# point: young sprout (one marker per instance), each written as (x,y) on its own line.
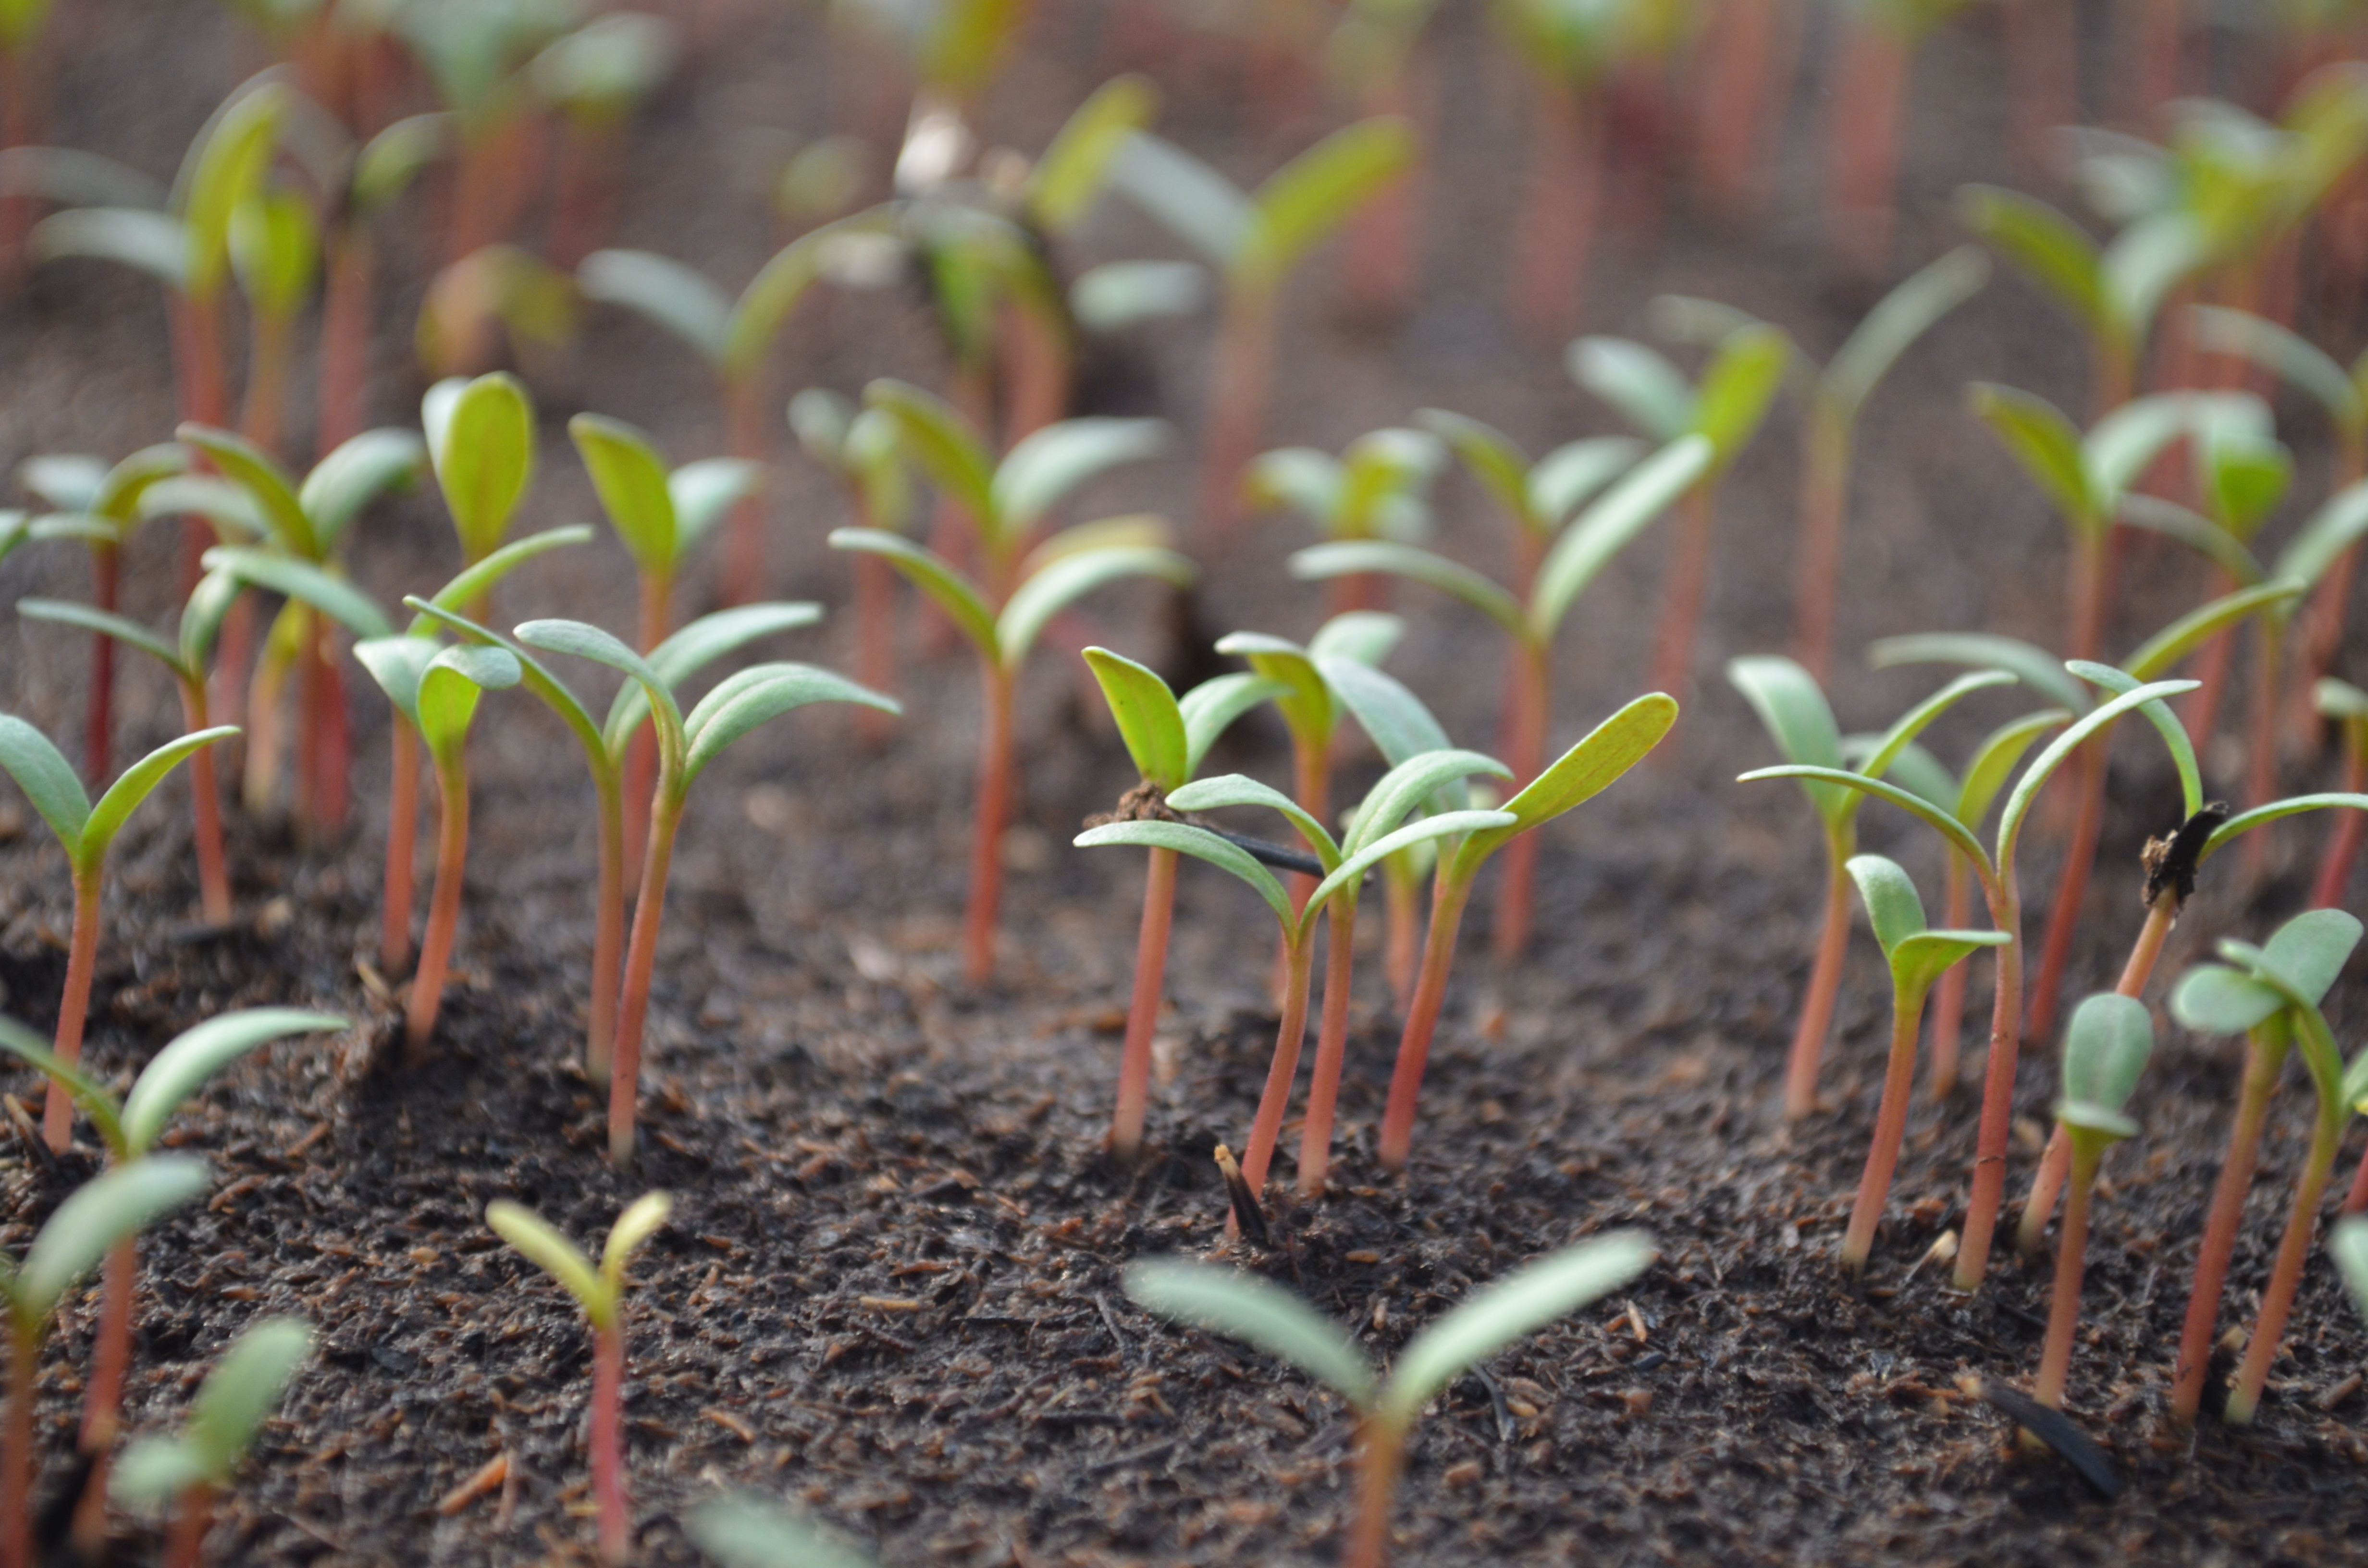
(1799,720)
(1377,836)
(1168,739)
(2002,890)
(187,1470)
(1725,408)
(1574,558)
(741,1532)
(86,832)
(437,691)
(481,444)
(2105,1050)
(1021,590)
(1254,240)
(1917,958)
(275,253)
(858,448)
(2348,706)
(2270,995)
(1242,1306)
(1378,488)
(85,1229)
(597,76)
(371,177)
(685,745)
(186,656)
(1571,51)
(99,505)
(735,338)
(605,746)
(1873,69)
(476,55)
(130,1129)
(1376,61)
(601,1293)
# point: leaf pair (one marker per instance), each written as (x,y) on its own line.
(223,1419)
(309,521)
(481,444)
(2105,1050)
(659,514)
(1378,486)
(1917,956)
(2113,290)
(2284,979)
(436,687)
(599,1290)
(1167,736)
(1725,407)
(84,830)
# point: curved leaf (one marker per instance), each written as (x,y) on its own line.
(704,490)
(1202,844)
(782,282)
(544,1246)
(396,663)
(1917,720)
(1609,525)
(2338,524)
(1365,635)
(391,160)
(1737,386)
(242,1390)
(2045,246)
(637,1224)
(1038,474)
(473,583)
(1240,1305)
(933,575)
(1120,294)
(225,167)
(631,479)
(1567,477)
(1401,728)
(274,250)
(2339,700)
(1994,760)
(151,243)
(1904,314)
(2046,444)
(1407,786)
(116,495)
(2124,443)
(2105,1050)
(481,437)
(1235,789)
(2169,521)
(677,298)
(1493,457)
(1069,579)
(1892,908)
(532,675)
(2164,649)
(352,476)
(755,695)
(2261,816)
(1148,718)
(2166,723)
(943,445)
(1648,391)
(259,473)
(1209,709)
(1195,203)
(2026,788)
(1796,716)
(1343,558)
(1063,185)
(2284,354)
(226,505)
(119,1202)
(450,685)
(583,642)
(2145,261)
(136,782)
(1422,830)
(304,582)
(1299,204)
(88,1095)
(1580,774)
(2033,666)
(130,633)
(1941,821)
(182,1067)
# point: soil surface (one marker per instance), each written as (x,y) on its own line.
(891,1288)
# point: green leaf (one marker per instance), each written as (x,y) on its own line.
(2348,1243)
(1063,582)
(1609,525)
(87,1093)
(275,249)
(1518,1305)
(1994,760)
(1067,180)
(1209,709)
(691,650)
(1904,314)
(1365,635)
(781,283)
(303,582)
(130,633)
(2284,354)
(120,1202)
(2046,444)
(226,505)
(225,167)
(1737,386)
(116,495)
(2170,520)
(154,1471)
(355,474)
(2105,1050)
(2245,822)
(1917,720)
(2245,480)
(1423,830)
(1493,457)
(182,1067)
(1407,786)
(146,241)
(242,1390)
(1580,774)
(2166,723)
(1345,557)
(1797,718)
(2309,950)
(1235,789)
(1568,476)
(1121,294)
(1242,1306)
(2045,246)
(1648,391)
(1148,718)
(1045,466)
(944,447)
(2214,999)
(2339,699)
(1299,204)
(2145,261)
(69,482)
(481,437)
(2026,788)
(475,582)
(1394,717)
(1892,907)
(1202,844)
(2164,649)
(1913,768)
(136,782)
(2124,443)
(638,1223)
(259,473)
(450,687)
(1941,821)
(705,492)
(762,692)
(631,479)
(391,160)
(1300,478)
(739,1532)
(1926,957)
(2341,522)
(2033,666)
(1196,203)
(552,1252)
(1689,318)
(933,575)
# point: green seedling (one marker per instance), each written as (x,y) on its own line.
(2348,706)
(1168,739)
(1571,51)
(2001,890)
(1872,68)
(735,338)
(85,1229)
(1577,776)
(1725,408)
(2105,1050)
(437,691)
(1254,240)
(685,745)
(86,832)
(275,254)
(131,1128)
(189,1470)
(858,449)
(481,446)
(99,505)
(1916,956)
(186,656)
(1378,488)
(600,1292)
(2269,994)
(1799,722)
(1243,1306)
(1572,561)
(596,77)
(741,1532)
(1020,590)
(605,747)
(1835,395)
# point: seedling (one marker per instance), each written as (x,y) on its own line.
(605,747)
(1168,739)
(1377,488)
(476,53)
(85,1229)
(1725,408)
(2105,1050)
(2002,890)
(371,179)
(685,745)
(481,444)
(86,832)
(1532,618)
(1570,50)
(741,1532)
(2271,995)
(735,338)
(2348,706)
(275,253)
(1836,395)
(1254,240)
(130,1129)
(187,1470)
(601,1293)
(858,449)
(1917,958)
(99,505)
(187,657)
(1243,1306)
(2348,1243)
(1872,68)
(1020,591)
(596,77)
(1376,836)
(1799,720)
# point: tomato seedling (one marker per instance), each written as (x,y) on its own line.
(189,1470)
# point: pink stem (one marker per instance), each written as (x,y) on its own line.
(1890,1123)
(2071,1255)
(2343,844)
(1142,1014)
(1331,1047)
(616,1528)
(608,935)
(443,904)
(986,834)
(1682,602)
(1824,982)
(1948,1000)
(1289,1033)
(2285,1275)
(205,805)
(1515,894)
(641,959)
(73,1008)
(1998,1088)
(1422,1017)
(402,836)
(98,725)
(2262,1062)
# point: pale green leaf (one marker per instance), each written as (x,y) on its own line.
(2339,699)
(1063,582)
(692,649)
(1568,477)
(1199,205)
(1121,294)
(1922,959)
(1609,525)
(242,1390)
(1994,760)
(135,784)
(1892,907)
(304,582)
(1904,314)
(1200,844)
(130,633)
(2033,666)
(195,1055)
(1580,774)
(2045,246)
(1149,719)
(533,676)
(1067,180)
(1737,387)
(1394,717)
(1438,829)
(2124,443)
(1303,202)
(151,243)
(352,476)
(1365,635)
(2166,723)
(1410,784)
(391,160)
(87,1094)
(1235,789)
(1797,718)
(2348,1244)
(2026,789)
(1943,822)
(154,1471)
(69,482)
(1345,557)
(943,445)
(2105,1051)
(481,435)
(259,473)
(2144,264)
(274,250)
(2339,523)
(475,583)
(755,695)
(705,492)
(1209,709)
(630,477)
(933,575)
(225,166)
(450,685)
(742,1533)
(2046,444)
(552,1252)
(2284,354)
(2261,816)
(583,642)
(1650,392)
(638,1223)
(1917,720)
(2167,519)
(1038,474)
(121,1202)
(782,284)
(228,507)
(1493,457)
(2162,652)
(1240,1305)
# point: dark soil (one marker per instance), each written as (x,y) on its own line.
(891,1288)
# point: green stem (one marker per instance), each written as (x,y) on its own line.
(2071,1250)
(641,959)
(2264,1058)
(443,903)
(2285,1277)
(1890,1124)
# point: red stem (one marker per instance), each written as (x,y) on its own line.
(2343,844)
(346,339)
(2204,706)
(1291,1030)
(193,1520)
(1331,1046)
(642,751)
(1556,223)
(1377,1483)
(1869,101)
(1890,1124)
(1404,911)
(2071,887)
(1997,1087)
(746,429)
(402,834)
(308,733)
(98,724)
(2071,1255)
(1949,999)
(267,380)
(443,903)
(615,1528)
(82,959)
(1673,642)
(1824,982)
(1527,756)
(1422,1017)
(2043,65)
(608,934)
(2285,1277)
(1747,83)
(2261,747)
(1825,488)
(2263,1061)
(1383,251)
(1143,1013)
(1241,384)
(205,803)
(633,1002)
(102,1399)
(986,834)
